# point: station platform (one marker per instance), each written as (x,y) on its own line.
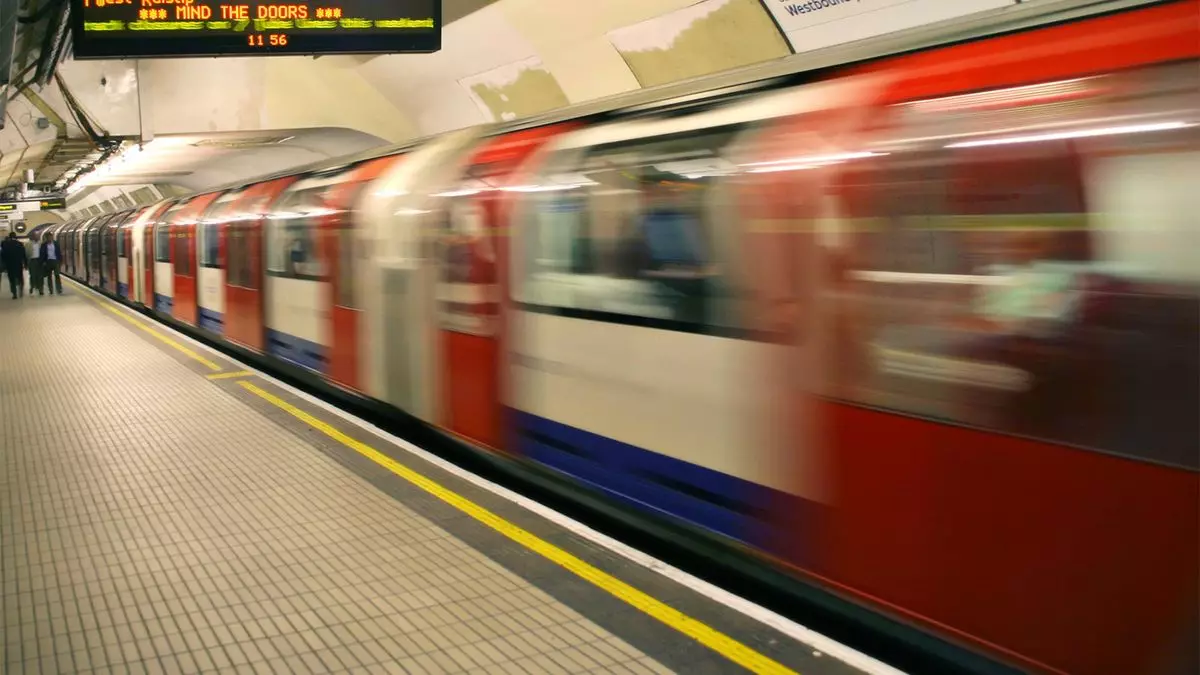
(165,510)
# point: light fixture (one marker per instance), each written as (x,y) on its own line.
(80,179)
(1012,97)
(1076,133)
(815,160)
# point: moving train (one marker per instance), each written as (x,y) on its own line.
(923,330)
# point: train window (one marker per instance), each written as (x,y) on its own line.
(208,243)
(347,269)
(93,252)
(103,235)
(349,253)
(162,243)
(219,214)
(627,231)
(148,248)
(467,279)
(121,252)
(237,256)
(292,233)
(1044,284)
(183,257)
(163,236)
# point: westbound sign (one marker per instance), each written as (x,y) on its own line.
(814,24)
(105,29)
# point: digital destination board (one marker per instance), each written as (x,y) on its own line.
(106,29)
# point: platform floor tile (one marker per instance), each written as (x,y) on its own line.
(149,524)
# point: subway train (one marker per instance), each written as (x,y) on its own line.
(923,330)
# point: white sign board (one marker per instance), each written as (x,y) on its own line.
(813,24)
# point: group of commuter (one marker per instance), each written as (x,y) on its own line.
(40,258)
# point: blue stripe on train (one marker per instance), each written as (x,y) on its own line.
(713,500)
(122,290)
(212,321)
(163,303)
(297,350)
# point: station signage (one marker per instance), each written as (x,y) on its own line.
(47,204)
(106,29)
(814,24)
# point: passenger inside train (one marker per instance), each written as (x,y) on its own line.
(1031,292)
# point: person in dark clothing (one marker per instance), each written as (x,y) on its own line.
(12,254)
(51,258)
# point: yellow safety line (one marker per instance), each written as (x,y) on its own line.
(166,340)
(226,376)
(702,633)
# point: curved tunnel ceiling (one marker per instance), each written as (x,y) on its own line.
(501,59)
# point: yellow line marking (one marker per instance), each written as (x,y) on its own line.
(702,633)
(165,340)
(226,376)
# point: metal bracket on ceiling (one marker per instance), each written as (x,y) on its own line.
(8,46)
(145,120)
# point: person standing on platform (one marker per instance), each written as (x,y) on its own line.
(12,254)
(51,258)
(32,251)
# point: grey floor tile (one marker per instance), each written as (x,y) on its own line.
(151,521)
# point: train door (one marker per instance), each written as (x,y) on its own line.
(63,236)
(125,276)
(76,252)
(104,252)
(83,250)
(338,241)
(183,257)
(93,267)
(72,245)
(95,258)
(211,273)
(141,254)
(299,292)
(163,281)
(628,297)
(116,249)
(108,252)
(472,251)
(242,237)
(398,344)
(787,250)
(149,261)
